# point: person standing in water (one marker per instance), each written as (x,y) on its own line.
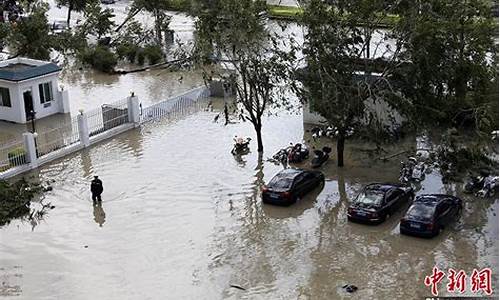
(226,114)
(96,189)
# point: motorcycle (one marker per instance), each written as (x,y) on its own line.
(241,146)
(281,156)
(298,153)
(320,157)
(412,171)
(489,188)
(474,183)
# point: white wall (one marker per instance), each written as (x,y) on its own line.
(13,113)
(16,113)
(380,109)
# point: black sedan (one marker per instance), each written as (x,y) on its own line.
(429,214)
(377,201)
(289,185)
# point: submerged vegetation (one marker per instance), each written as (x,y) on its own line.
(434,64)
(16,199)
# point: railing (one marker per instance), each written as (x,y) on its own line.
(176,106)
(107,116)
(12,155)
(33,150)
(54,139)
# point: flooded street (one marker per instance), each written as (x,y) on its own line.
(181,218)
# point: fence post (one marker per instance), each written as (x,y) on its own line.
(83,129)
(30,148)
(133,110)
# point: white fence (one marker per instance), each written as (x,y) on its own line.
(178,105)
(12,155)
(92,127)
(54,139)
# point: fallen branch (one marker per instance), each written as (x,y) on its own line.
(166,64)
(386,158)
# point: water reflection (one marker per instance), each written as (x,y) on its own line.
(99,214)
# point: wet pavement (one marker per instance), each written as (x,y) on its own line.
(181,218)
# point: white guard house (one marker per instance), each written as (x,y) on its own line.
(29,87)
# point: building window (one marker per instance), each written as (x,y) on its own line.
(5,97)
(45,90)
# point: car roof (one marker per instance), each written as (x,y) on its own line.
(433,198)
(289,173)
(384,187)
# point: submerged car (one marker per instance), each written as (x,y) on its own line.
(429,214)
(377,201)
(289,185)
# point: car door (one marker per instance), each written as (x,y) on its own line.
(309,181)
(389,201)
(444,211)
(298,184)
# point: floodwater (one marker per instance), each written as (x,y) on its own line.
(181,218)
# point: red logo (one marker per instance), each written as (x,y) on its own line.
(434,280)
(457,281)
(481,280)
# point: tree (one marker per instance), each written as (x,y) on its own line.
(74,5)
(236,35)
(98,21)
(158,8)
(30,37)
(453,77)
(337,81)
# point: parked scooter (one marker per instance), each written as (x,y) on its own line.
(490,187)
(320,157)
(281,156)
(475,183)
(298,153)
(241,145)
(412,171)
(483,185)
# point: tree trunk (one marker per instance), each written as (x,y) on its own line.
(258,131)
(340,150)
(70,8)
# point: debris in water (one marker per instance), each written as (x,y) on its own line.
(350,288)
(85,246)
(237,287)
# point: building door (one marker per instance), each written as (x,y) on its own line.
(28,104)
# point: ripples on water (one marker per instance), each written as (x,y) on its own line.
(182,219)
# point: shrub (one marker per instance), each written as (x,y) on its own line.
(153,53)
(100,58)
(128,51)
(140,57)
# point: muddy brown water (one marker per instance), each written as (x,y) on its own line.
(181,218)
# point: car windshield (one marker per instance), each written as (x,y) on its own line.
(422,211)
(370,198)
(281,182)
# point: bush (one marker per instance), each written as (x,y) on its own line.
(100,58)
(141,57)
(17,157)
(127,51)
(153,53)
(179,5)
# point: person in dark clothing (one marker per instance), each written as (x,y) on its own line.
(226,114)
(96,188)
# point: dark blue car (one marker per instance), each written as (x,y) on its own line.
(429,214)
(289,185)
(377,201)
